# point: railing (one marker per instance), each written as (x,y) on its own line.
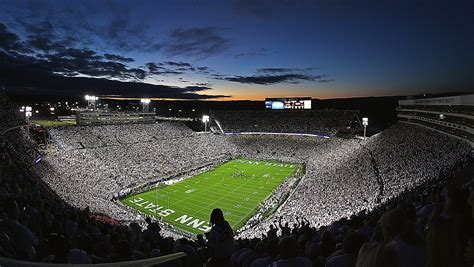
(177,259)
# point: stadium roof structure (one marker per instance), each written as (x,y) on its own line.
(457,100)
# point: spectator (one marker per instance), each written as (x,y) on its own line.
(289,254)
(220,239)
(375,255)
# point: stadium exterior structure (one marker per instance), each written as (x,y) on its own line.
(452,115)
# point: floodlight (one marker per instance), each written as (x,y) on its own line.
(51,109)
(28,109)
(87,97)
(145,104)
(365,122)
(205,119)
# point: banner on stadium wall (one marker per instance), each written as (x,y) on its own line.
(464,100)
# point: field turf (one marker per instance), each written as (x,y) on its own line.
(237,187)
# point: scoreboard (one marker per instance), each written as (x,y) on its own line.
(288,103)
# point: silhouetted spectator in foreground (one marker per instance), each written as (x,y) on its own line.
(220,240)
(352,243)
(448,230)
(399,235)
(288,248)
(375,254)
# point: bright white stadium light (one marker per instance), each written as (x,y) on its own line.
(365,122)
(51,109)
(87,97)
(205,119)
(145,104)
(28,112)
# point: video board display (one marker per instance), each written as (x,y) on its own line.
(288,103)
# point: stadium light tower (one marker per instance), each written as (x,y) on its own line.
(28,112)
(365,122)
(205,119)
(145,104)
(91,101)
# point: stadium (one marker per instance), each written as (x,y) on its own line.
(238,133)
(261,168)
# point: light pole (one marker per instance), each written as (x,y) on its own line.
(205,119)
(145,104)
(28,113)
(91,101)
(365,122)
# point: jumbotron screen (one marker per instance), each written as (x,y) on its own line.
(288,103)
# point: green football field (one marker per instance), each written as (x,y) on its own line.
(237,187)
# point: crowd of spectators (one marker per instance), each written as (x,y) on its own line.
(431,225)
(336,216)
(327,122)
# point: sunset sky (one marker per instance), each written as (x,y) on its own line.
(236,49)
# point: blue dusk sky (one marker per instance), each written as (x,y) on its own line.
(229,50)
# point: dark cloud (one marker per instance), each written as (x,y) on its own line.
(176,64)
(326,80)
(272,79)
(203,69)
(253,53)
(171,67)
(106,23)
(41,83)
(10,41)
(113,57)
(56,71)
(72,62)
(158,69)
(203,84)
(266,76)
(195,42)
(283,70)
(197,88)
(42,35)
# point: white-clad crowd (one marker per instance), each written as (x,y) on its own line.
(342,176)
(322,122)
